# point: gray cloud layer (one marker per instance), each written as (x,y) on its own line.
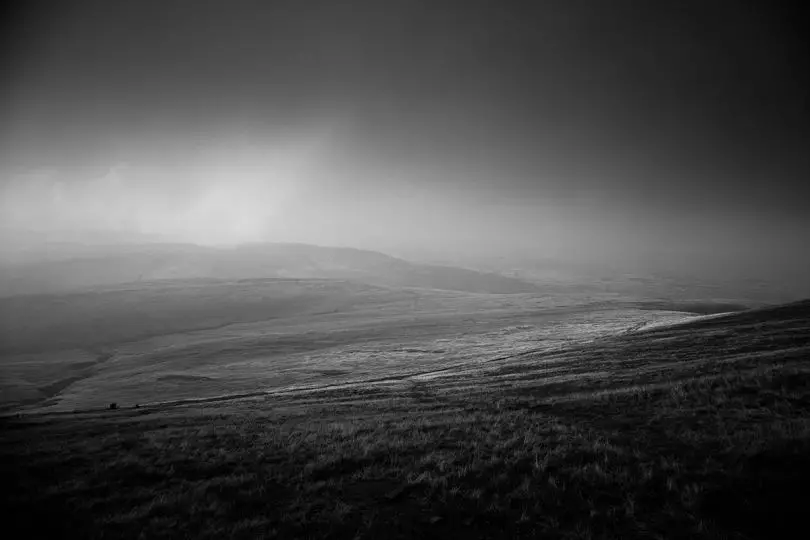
(619,130)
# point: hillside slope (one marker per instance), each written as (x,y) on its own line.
(110,265)
(700,430)
(173,339)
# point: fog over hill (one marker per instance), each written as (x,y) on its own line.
(404,269)
(77,266)
(32,262)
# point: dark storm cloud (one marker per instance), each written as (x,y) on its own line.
(648,122)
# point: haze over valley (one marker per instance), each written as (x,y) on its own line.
(404,269)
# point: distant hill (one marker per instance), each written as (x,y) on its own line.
(79,267)
(746,287)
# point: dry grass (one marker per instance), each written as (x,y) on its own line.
(700,430)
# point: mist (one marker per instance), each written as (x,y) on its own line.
(404,268)
(298,188)
(305,188)
(569,131)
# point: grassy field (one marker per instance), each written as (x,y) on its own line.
(699,429)
(173,340)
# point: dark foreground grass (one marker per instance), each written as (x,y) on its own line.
(700,431)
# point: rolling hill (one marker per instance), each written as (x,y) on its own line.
(694,428)
(73,267)
(133,341)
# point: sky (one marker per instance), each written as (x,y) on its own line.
(667,132)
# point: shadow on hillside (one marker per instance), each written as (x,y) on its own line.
(758,495)
(769,499)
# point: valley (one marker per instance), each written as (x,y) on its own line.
(330,407)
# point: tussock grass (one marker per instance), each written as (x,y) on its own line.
(689,431)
